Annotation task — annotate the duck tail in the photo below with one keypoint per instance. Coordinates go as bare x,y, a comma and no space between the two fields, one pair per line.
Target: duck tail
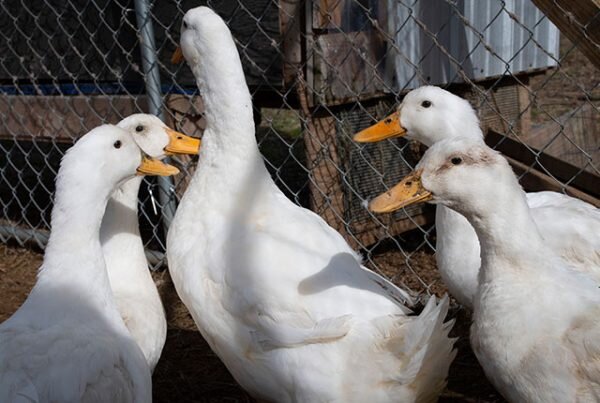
425,351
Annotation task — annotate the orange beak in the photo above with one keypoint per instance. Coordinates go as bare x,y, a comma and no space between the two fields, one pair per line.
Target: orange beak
150,166
177,56
384,129
409,191
179,143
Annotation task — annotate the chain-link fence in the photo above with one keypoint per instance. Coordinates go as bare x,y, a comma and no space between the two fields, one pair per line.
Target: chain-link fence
319,71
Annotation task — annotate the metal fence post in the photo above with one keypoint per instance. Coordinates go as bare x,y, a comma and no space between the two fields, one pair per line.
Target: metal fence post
153,89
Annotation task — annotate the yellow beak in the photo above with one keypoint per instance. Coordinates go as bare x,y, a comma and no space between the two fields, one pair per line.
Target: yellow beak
409,191
151,166
384,129
179,143
177,56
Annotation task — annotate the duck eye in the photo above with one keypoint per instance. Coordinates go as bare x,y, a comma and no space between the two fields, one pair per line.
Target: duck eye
456,160
140,128
117,144
426,104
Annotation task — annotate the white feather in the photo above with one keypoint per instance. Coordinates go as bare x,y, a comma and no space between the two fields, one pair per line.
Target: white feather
132,285
278,294
67,342
569,226
535,318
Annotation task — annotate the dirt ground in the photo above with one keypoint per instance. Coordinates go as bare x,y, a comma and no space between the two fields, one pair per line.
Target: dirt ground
189,371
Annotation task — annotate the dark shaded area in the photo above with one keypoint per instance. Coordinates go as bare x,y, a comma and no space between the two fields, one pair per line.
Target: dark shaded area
285,158
27,172
55,42
190,372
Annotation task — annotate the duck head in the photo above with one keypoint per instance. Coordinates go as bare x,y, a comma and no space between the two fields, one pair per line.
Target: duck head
427,114
108,154
201,27
461,173
155,138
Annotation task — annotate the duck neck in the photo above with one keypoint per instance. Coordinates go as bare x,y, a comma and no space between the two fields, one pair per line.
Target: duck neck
507,233
120,216
73,254
122,246
230,132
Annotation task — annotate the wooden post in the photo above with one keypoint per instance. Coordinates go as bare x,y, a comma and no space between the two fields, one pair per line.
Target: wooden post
290,13
327,195
577,20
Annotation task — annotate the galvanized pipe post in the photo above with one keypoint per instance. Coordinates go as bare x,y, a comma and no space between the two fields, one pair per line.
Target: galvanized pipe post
153,90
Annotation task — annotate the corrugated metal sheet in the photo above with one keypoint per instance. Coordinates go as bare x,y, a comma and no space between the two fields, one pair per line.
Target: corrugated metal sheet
487,38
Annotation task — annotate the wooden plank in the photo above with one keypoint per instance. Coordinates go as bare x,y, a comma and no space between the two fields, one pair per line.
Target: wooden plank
579,181
571,137
577,20
326,193
347,67
62,118
306,81
290,18
525,106
534,180
501,105
328,14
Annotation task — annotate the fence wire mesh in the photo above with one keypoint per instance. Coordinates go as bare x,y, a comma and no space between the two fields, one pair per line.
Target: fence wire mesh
319,71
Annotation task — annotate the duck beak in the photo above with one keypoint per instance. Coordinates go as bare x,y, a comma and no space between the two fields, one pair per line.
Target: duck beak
409,191
179,143
177,57
384,129
150,166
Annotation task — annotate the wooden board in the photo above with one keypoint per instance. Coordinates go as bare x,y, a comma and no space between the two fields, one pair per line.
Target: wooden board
347,67
344,51
571,137
532,169
534,180
290,26
326,193
579,21
501,105
62,118
328,14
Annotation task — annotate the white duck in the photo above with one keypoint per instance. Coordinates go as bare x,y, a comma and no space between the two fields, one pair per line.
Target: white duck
570,226
535,324
277,293
67,342
133,288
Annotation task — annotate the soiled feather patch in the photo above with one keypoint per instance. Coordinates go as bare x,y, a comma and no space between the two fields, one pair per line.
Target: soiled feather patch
479,157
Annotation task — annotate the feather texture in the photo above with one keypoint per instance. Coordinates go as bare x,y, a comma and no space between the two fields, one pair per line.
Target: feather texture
278,294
